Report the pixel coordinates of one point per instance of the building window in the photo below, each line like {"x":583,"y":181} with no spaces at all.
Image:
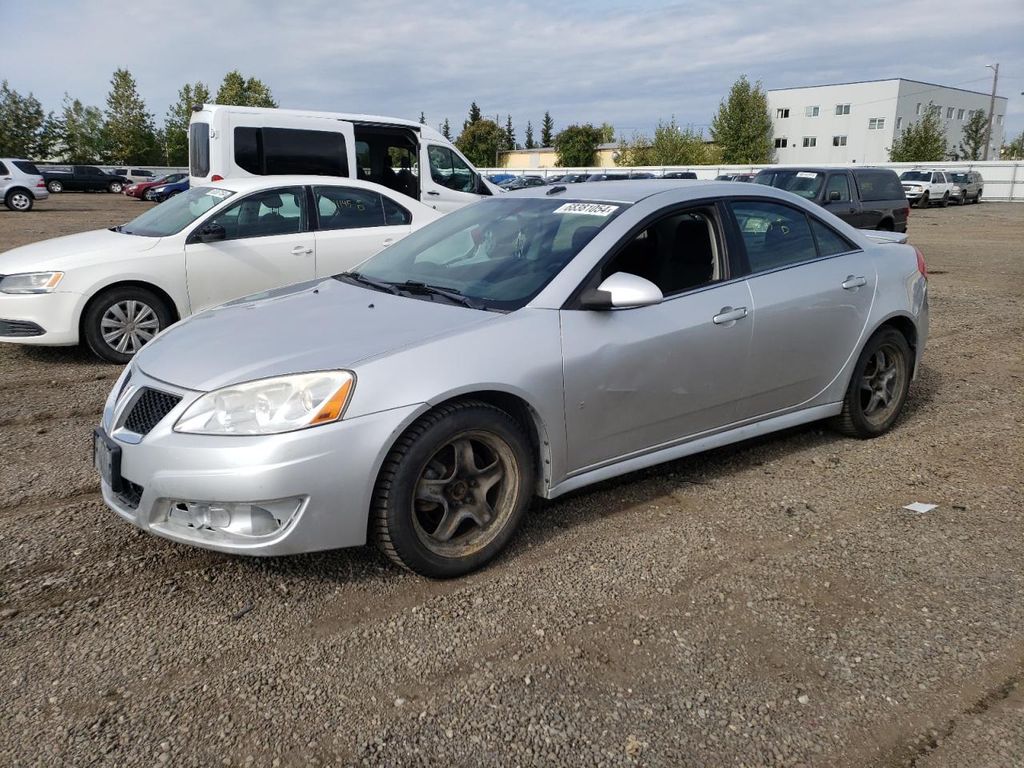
{"x":811,"y":112}
{"x":780,"y":143}
{"x":919,"y":108}
{"x":810,"y":141}
{"x":782,"y":112}
{"x":949,"y":113}
{"x":899,"y":123}
{"x":876,"y":123}
{"x":842,"y":109}
{"x":959,"y":114}
{"x":838,"y":141}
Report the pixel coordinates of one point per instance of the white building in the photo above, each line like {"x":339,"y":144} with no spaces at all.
{"x":857,"y":122}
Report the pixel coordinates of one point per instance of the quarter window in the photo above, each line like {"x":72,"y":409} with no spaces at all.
{"x":449,"y":170}
{"x":774,"y":235}
{"x":829,"y":242}
{"x":264,"y":214}
{"x":3,"y":168}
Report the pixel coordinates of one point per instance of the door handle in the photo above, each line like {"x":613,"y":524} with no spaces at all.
{"x":388,"y":241}
{"x":300,"y":249}
{"x":432,"y":192}
{"x":852,"y":283}
{"x":728,"y":315}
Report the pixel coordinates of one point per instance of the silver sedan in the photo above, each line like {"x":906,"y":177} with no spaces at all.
{"x":528,"y":345}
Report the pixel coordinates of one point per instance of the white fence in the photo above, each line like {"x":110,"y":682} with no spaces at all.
{"x":1004,"y":179}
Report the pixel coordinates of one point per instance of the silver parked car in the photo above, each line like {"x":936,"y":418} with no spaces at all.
{"x":530,"y":344}
{"x":21,"y":184}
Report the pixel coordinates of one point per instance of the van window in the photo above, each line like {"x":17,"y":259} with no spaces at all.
{"x":278,"y":151}
{"x":448,"y":169}
{"x":199,"y":149}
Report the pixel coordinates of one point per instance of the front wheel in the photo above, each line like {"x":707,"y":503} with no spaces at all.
{"x":945,"y":200}
{"x":55,"y":187}
{"x":923,"y":201}
{"x":977,"y":197}
{"x":18,"y":200}
{"x":120,"y":321}
{"x":963,"y":198}
{"x":452,"y":491}
{"x":878,"y":389}
{"x":116,"y":187}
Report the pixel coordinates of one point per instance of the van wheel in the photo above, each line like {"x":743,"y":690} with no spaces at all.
{"x":55,"y":186}
{"x":120,"y":321}
{"x":18,"y":200}
{"x":453,"y":490}
{"x":878,"y":388}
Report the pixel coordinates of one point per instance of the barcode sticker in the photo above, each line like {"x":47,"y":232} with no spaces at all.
{"x":588,"y":209}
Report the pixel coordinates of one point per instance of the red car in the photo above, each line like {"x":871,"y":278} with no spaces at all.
{"x":139,"y":190}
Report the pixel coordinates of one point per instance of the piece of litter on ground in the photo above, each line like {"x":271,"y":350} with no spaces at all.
{"x":920,"y":508}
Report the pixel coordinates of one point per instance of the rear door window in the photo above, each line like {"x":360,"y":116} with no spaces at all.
{"x":348,"y":208}
{"x":199,"y":149}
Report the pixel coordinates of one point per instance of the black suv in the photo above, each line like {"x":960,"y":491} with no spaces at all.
{"x":866,"y":198}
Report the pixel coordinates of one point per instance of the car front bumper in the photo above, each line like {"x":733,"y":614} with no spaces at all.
{"x":55,"y":314}
{"x":913,"y":194}
{"x":327,"y":471}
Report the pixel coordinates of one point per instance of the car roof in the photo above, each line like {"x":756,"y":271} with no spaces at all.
{"x":631,"y":190}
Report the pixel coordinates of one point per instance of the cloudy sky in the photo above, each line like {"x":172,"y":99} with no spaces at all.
{"x":628,"y":63}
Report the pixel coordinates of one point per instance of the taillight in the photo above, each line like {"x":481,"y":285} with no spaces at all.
{"x":921,"y":266}
{"x":41,"y":183}
{"x":216,"y":177}
{"x":906,"y":211}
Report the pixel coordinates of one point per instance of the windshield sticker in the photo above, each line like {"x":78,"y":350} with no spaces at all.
{"x":806,"y":175}
{"x":588,"y":209}
{"x":221,"y":193}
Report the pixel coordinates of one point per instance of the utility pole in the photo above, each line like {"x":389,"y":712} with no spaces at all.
{"x":991,"y":108}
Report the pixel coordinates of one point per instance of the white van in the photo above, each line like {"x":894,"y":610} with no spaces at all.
{"x":227,"y":142}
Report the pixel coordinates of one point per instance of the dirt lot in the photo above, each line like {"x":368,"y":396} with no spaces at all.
{"x":767,"y":604}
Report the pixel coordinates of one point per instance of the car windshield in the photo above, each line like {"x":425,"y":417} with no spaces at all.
{"x":496,"y":254}
{"x":804,"y":183}
{"x":916,"y":176}
{"x":176,"y":213}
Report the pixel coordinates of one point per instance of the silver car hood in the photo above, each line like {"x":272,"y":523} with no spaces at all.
{"x":313,"y":326}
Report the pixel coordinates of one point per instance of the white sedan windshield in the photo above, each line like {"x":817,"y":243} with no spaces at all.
{"x":176,"y":213}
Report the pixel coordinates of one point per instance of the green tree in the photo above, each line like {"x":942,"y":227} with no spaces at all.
{"x":480,"y":142}
{"x":474,"y":116}
{"x":510,"y":133}
{"x":22,"y":121}
{"x":78,"y":132}
{"x":607,"y":133}
{"x":576,"y":146}
{"x":547,"y":131}
{"x":128,"y":130}
{"x":530,"y":143}
{"x":446,"y":129}
{"x":742,"y":127}
{"x":1014,"y":150}
{"x":236,"y":90}
{"x":975,"y":129}
{"x":423,"y":119}
{"x":922,"y":141}
{"x":175,"y":134}
{"x":671,"y":145}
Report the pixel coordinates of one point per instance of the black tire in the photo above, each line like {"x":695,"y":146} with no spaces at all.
{"x":115,"y":187}
{"x":963,"y":199}
{"x":857,"y":418}
{"x":977,"y":197}
{"x":55,"y":187}
{"x":19,"y":200}
{"x":885,"y":225}
{"x":402,"y":520}
{"x":924,"y":202}
{"x":100,"y":312}
{"x":945,"y":200}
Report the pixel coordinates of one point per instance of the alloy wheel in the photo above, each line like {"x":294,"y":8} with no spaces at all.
{"x":20,"y":201}
{"x":128,"y":325}
{"x":882,"y":382}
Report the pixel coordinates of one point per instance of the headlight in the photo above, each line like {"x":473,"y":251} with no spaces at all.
{"x":31,"y":282}
{"x":270,"y":406}
{"x":160,"y":189}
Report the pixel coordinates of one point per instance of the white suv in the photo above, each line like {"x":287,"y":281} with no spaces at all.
{"x":21,"y":184}
{"x":924,"y":187}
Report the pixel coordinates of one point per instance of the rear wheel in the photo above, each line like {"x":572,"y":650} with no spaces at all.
{"x":18,"y":200}
{"x":885,"y":225}
{"x":55,"y":186}
{"x":115,"y":187}
{"x":120,"y":321}
{"x":945,"y":200}
{"x":963,"y":198}
{"x":977,"y":197}
{"x":453,"y":490}
{"x":878,"y":389}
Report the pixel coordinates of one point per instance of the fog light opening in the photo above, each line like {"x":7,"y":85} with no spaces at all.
{"x":257,"y":518}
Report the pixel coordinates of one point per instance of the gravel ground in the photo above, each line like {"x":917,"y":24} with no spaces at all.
{"x":766,"y":604}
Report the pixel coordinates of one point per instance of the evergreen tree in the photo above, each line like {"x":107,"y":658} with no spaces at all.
{"x":742,"y":128}
{"x":236,"y":90}
{"x":975,"y":130}
{"x":510,"y":133}
{"x":547,"y":131}
{"x":530,"y":143}
{"x":474,"y":116}
{"x":78,"y":133}
{"x":22,"y":121}
{"x":128,"y":130}
{"x":446,"y":129}
{"x":921,"y":142}
{"x":175,"y":133}
{"x":423,"y":119}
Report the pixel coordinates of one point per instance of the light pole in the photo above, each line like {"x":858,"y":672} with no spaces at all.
{"x":991,"y":107}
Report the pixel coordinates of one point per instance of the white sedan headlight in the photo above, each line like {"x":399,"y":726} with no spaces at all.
{"x":31,"y":282}
{"x":270,"y":406}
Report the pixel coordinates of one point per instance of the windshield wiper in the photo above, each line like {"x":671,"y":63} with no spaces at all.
{"x":414,"y":286}
{"x":378,"y":285}
{"x":118,"y":228}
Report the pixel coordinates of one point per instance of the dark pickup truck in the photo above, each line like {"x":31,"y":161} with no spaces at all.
{"x":866,"y":198}
{"x":67,"y":178}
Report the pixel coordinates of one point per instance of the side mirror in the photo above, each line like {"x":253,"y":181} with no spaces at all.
{"x":833,"y":196}
{"x":211,"y":233}
{"x":620,"y":291}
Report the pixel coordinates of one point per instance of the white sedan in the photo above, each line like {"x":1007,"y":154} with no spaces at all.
{"x":117,"y":288}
